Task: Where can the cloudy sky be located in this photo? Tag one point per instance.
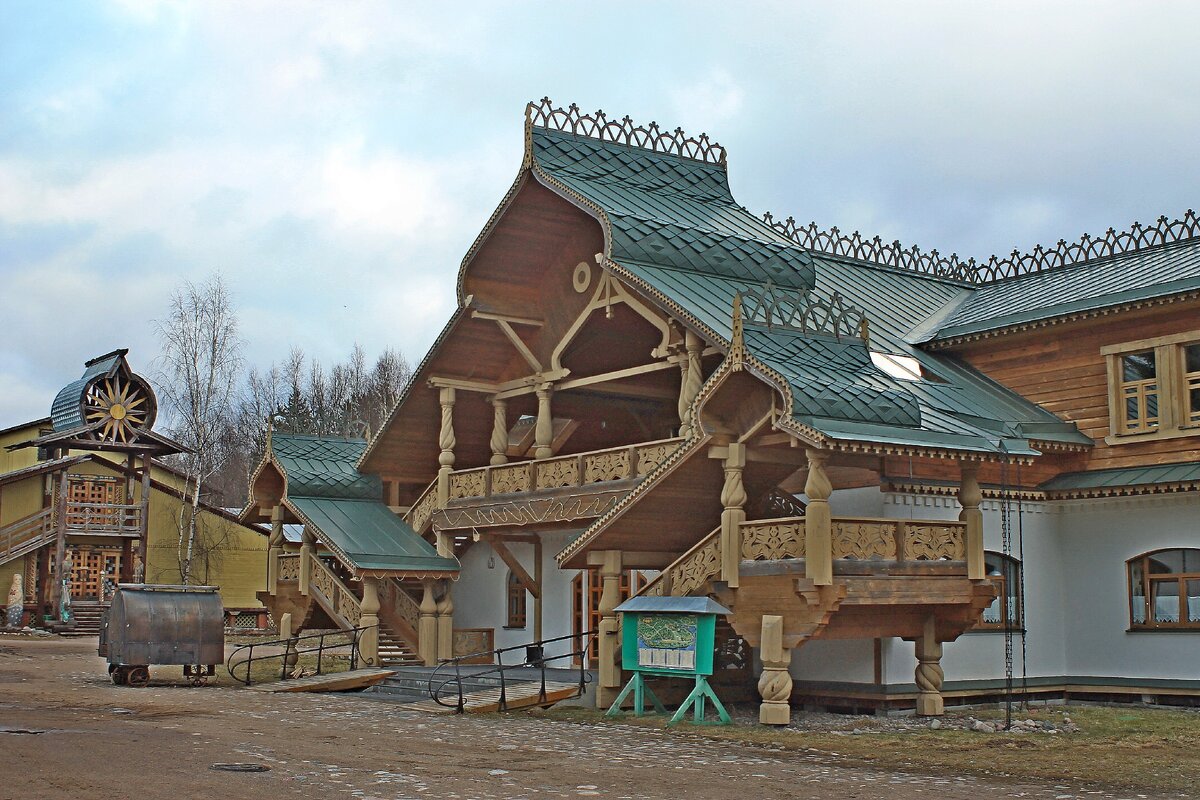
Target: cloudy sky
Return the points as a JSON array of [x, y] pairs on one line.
[[335, 160]]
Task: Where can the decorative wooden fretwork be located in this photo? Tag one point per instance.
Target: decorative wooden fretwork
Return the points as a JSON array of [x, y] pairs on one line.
[[510, 478], [289, 567], [894, 254], [557, 472], [606, 466], [864, 541], [623, 131], [935, 541], [697, 568], [118, 406], [468, 483], [402, 603], [649, 457], [803, 311], [773, 540], [422, 511], [342, 600]]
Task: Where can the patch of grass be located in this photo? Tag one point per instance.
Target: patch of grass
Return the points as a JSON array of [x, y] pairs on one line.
[[1116, 748], [270, 669]]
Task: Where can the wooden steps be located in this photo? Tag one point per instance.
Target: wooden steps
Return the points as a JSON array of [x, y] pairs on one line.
[[335, 682], [517, 696], [395, 650]]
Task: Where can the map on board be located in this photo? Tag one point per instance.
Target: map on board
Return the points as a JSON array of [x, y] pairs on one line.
[[667, 641]]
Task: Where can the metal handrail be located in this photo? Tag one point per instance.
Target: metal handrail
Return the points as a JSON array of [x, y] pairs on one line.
[[292, 647], [436, 693]]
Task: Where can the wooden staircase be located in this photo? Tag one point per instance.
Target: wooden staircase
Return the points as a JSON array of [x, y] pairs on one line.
[[87, 618], [394, 649]]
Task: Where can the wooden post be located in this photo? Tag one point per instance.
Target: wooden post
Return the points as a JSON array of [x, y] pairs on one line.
[[445, 543], [60, 545], [543, 432], [690, 381], [275, 549], [144, 523], [445, 623], [446, 441], [368, 643], [610, 648], [537, 598], [733, 498], [970, 496], [775, 682], [818, 525], [428, 632], [499, 432], [929, 675], [308, 549]]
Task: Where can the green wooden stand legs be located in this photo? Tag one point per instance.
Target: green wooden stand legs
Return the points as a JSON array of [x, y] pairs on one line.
[[695, 701]]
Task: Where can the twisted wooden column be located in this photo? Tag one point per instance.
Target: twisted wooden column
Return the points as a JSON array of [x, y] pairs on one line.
[[733, 499], [445, 623], [276, 549], [427, 633], [609, 647], [818, 525], [446, 441], [929, 675], [691, 379], [368, 643], [775, 682], [543, 431], [970, 496], [499, 432]]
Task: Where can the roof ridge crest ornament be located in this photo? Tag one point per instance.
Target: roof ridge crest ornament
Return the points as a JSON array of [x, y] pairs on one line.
[[544, 114], [803, 312], [996, 268]]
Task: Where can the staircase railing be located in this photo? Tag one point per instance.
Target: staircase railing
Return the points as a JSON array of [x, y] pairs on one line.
[[420, 514], [108, 518], [292, 649], [25, 535], [335, 596], [688, 572], [535, 657]]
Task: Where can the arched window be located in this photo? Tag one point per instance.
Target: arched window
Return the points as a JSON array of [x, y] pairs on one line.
[[1164, 589], [1008, 609], [516, 596]]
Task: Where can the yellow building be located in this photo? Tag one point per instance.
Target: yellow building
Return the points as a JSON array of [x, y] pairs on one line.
[[82, 494]]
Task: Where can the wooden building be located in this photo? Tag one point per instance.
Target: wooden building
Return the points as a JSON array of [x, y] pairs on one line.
[[646, 388], [84, 488]]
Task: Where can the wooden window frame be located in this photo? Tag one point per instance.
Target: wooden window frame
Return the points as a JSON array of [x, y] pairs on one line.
[[1003, 585], [1181, 578], [516, 603], [1172, 379]]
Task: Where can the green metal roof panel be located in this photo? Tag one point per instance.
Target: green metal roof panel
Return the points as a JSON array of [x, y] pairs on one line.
[[1128, 476], [370, 535], [66, 412], [324, 467], [1139, 275]]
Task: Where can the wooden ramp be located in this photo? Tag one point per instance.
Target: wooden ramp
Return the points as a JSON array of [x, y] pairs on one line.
[[517, 695], [335, 682]]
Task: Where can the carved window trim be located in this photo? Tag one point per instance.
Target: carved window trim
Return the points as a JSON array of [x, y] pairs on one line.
[[1172, 384], [1005, 574], [1140, 577], [516, 603]]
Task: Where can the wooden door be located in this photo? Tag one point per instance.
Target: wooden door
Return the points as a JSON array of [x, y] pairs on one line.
[[93, 489], [95, 571], [586, 616]]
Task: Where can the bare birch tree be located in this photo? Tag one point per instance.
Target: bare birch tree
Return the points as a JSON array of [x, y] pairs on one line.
[[200, 366]]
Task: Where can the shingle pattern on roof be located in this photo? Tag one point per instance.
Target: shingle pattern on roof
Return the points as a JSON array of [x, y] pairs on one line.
[[1139, 275], [324, 467]]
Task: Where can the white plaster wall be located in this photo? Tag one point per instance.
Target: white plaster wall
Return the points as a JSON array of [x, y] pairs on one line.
[[1099, 536], [480, 598], [840, 660]]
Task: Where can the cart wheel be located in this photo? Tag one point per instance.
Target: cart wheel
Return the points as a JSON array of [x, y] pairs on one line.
[[118, 674], [138, 676]]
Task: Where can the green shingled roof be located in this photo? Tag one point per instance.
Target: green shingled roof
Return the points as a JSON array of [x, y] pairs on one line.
[[344, 507], [1128, 476], [1099, 283], [676, 229]]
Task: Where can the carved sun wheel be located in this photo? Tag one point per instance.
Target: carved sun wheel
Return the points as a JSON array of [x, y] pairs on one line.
[[119, 405]]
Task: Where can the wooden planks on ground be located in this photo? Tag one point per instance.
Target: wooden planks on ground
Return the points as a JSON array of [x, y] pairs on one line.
[[336, 682], [518, 695]]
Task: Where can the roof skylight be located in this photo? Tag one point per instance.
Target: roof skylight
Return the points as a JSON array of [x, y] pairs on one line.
[[905, 368]]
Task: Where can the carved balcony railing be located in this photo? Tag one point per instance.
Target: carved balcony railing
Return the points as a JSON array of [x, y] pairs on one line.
[[420, 514], [337, 596], [109, 519], [397, 597], [578, 470], [852, 539], [289, 567]]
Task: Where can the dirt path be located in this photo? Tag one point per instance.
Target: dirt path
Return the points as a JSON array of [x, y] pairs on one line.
[[85, 737]]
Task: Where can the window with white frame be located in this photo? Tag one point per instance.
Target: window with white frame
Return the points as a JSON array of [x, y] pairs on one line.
[[1154, 387]]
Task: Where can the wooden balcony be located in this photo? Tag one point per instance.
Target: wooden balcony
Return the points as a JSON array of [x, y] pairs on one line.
[[562, 491], [103, 519]]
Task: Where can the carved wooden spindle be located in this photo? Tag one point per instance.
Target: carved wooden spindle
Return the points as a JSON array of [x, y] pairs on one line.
[[499, 432], [929, 674], [543, 432], [368, 643], [308, 551], [818, 525], [609, 647], [970, 496], [691, 380], [733, 500], [276, 549], [446, 441], [427, 634], [775, 682], [445, 623]]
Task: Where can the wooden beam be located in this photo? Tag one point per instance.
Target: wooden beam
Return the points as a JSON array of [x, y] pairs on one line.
[[520, 345], [537, 323], [508, 558], [615, 375]]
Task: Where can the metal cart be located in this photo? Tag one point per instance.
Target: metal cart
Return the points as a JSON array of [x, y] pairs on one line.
[[159, 624]]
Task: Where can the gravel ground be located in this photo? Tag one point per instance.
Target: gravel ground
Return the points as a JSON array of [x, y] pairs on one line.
[[66, 731]]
